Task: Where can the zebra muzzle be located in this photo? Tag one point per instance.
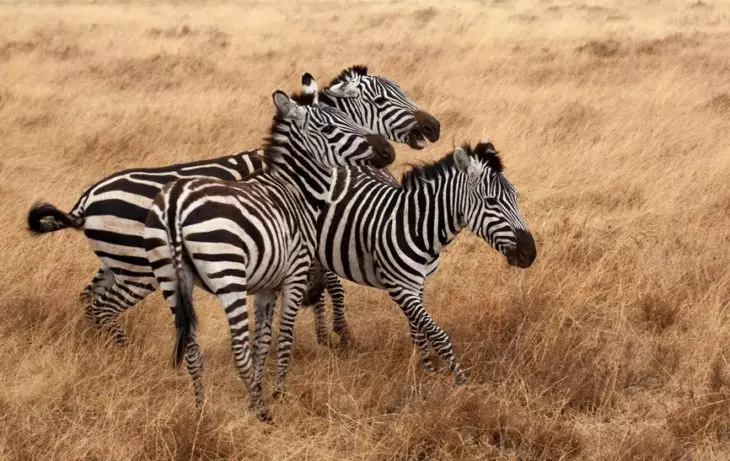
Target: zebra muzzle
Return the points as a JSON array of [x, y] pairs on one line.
[[525, 251]]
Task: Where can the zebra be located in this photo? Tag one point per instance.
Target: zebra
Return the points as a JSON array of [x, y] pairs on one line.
[[112, 212], [254, 236], [383, 235], [362, 96]]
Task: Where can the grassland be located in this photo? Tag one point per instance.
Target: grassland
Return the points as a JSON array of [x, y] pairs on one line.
[[614, 122]]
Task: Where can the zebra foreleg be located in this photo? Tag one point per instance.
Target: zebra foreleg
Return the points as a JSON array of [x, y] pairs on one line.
[[320, 321], [423, 326], [419, 339], [337, 293], [316, 284]]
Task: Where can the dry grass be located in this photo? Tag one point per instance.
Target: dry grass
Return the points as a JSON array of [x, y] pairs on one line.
[[613, 119]]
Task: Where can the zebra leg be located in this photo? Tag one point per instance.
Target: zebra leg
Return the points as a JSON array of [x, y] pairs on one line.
[[194, 363], [320, 321], [100, 283], [193, 353], [291, 299], [264, 311], [235, 304], [119, 297], [419, 339], [316, 284], [337, 293], [421, 324]]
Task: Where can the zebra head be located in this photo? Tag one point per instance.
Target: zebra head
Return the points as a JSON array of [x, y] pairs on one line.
[[327, 134], [490, 207], [382, 106]]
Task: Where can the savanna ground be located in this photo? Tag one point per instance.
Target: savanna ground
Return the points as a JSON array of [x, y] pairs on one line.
[[614, 122]]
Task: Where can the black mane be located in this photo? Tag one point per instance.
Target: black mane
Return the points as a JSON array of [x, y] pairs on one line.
[[484, 152], [303, 99], [359, 70]]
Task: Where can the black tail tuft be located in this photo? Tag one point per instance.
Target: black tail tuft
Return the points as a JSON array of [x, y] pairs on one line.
[[185, 318], [44, 217]]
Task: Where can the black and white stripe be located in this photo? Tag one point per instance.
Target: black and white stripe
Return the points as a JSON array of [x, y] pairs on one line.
[[382, 106], [112, 212], [254, 236], [387, 236]]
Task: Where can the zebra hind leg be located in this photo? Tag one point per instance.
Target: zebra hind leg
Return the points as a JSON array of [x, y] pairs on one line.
[[118, 298], [194, 363], [291, 299], [337, 293], [193, 353], [264, 312], [100, 283], [235, 303]]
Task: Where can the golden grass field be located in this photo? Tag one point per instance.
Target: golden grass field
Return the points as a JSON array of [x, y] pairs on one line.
[[613, 119]]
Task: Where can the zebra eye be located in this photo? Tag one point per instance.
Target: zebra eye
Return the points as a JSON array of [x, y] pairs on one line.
[[328, 129], [381, 100], [491, 201]]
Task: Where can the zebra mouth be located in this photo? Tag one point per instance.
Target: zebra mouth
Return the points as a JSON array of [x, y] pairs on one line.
[[416, 140], [518, 261], [524, 254]]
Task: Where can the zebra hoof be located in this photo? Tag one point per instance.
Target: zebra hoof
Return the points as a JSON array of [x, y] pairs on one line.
[[429, 365], [460, 379], [278, 394], [345, 339], [263, 415]]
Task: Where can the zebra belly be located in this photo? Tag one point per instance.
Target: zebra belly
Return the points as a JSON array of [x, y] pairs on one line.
[[345, 256], [118, 242], [358, 270]]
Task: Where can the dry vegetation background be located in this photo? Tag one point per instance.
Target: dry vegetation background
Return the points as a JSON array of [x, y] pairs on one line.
[[614, 121]]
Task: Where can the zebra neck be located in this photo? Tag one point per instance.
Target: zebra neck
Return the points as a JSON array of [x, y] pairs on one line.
[[311, 179], [434, 211]]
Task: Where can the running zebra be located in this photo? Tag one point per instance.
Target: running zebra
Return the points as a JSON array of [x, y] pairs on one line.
[[377, 104], [386, 236], [254, 236], [112, 212]]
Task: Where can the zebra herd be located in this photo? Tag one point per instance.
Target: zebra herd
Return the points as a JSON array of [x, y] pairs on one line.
[[288, 219]]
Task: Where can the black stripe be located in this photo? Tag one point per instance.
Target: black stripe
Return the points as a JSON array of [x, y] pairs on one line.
[[126, 240], [118, 208]]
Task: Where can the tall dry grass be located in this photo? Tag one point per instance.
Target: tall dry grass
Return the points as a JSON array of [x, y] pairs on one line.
[[613, 120]]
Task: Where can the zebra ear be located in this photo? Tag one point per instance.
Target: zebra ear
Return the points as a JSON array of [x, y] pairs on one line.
[[288, 108], [309, 86], [466, 164], [347, 89]]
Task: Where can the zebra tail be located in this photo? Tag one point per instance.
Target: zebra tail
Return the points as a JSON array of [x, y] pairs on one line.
[[185, 318], [39, 222]]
